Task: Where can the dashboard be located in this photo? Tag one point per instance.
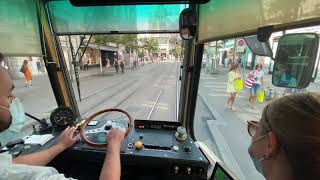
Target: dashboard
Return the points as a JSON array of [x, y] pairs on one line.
[[153, 150]]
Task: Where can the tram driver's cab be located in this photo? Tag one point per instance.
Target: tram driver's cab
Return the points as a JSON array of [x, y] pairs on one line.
[[151, 149]]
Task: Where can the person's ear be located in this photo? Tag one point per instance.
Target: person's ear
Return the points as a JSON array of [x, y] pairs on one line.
[[273, 146]]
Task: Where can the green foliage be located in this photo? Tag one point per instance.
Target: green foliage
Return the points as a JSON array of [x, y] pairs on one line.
[[151, 45], [129, 41], [177, 52]]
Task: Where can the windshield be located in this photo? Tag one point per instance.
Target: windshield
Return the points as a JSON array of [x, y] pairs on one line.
[[67, 19], [223, 127], [137, 73]]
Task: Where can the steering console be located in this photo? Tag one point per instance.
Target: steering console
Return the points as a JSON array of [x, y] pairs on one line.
[[106, 128]]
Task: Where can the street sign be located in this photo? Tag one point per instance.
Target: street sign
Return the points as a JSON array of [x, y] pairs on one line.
[[241, 45]]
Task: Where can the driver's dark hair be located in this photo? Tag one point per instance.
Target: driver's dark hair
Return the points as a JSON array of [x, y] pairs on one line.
[[1, 57]]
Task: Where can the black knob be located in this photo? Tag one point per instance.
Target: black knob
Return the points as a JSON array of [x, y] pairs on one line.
[[108, 127], [187, 149]]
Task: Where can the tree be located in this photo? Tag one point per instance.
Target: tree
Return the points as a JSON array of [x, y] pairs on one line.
[[151, 45], [130, 41], [177, 52]]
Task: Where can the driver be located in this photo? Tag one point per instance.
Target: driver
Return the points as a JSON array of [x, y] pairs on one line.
[[32, 166]]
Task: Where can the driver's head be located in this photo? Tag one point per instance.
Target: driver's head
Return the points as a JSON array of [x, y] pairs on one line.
[[6, 97]]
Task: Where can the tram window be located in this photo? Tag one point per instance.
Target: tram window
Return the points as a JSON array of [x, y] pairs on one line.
[[219, 173], [138, 73], [33, 88], [222, 126]]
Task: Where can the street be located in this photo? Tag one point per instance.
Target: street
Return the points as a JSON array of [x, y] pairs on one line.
[[150, 93], [136, 91]]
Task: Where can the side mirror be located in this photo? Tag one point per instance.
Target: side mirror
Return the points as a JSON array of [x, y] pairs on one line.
[[295, 60], [188, 24]]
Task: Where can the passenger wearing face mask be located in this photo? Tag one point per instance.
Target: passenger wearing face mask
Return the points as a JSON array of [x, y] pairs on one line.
[[286, 141], [32, 166]]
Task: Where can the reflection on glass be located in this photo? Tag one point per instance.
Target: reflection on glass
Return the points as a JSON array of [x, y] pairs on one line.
[[220, 174], [294, 61]]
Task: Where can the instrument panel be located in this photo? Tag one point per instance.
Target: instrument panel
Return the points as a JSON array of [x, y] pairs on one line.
[[153, 150], [155, 145]]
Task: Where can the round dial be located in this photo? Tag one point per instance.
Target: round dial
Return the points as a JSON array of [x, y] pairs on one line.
[[62, 117]]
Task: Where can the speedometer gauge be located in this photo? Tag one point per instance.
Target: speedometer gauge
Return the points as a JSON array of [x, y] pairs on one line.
[[62, 117]]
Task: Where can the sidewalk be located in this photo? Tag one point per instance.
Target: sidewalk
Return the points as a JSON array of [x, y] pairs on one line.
[[228, 129]]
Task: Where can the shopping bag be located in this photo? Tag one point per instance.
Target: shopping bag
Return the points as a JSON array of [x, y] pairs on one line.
[[261, 96], [249, 82], [239, 84]]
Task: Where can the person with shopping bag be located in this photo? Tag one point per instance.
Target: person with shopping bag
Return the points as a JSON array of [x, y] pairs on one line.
[[255, 84], [233, 76]]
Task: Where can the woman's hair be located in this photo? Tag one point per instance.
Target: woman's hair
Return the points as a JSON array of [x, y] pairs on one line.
[[295, 119], [258, 65], [25, 62], [233, 67]]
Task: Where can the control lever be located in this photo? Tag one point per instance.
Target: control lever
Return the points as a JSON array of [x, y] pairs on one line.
[[14, 143], [44, 126], [181, 133]]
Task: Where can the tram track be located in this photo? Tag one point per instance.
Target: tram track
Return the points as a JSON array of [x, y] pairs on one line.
[[132, 82], [152, 110], [137, 86]]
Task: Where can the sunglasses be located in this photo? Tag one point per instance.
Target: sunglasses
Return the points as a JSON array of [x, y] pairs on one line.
[[252, 127]]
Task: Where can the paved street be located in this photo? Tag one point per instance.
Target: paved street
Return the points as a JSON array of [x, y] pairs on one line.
[[135, 91], [224, 130]]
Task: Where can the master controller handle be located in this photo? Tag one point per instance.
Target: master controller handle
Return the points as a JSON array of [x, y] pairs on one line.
[[181, 133]]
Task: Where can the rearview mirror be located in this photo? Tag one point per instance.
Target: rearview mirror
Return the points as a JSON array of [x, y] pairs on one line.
[[188, 24], [295, 60]]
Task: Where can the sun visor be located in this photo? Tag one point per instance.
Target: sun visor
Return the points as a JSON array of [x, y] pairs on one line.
[[219, 19], [19, 33], [68, 19]]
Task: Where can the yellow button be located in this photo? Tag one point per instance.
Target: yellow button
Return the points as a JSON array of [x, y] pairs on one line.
[[138, 145]]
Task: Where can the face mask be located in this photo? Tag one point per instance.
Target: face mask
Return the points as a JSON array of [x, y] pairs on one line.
[[18, 122], [185, 36], [256, 162]]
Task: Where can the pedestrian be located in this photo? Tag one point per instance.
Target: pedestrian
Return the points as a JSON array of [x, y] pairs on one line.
[[85, 63], [25, 69], [135, 64], [116, 64], [257, 75], [233, 75], [107, 62], [38, 66], [2, 63], [226, 62], [121, 63]]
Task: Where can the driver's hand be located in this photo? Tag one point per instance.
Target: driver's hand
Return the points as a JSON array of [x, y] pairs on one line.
[[67, 138], [115, 137]]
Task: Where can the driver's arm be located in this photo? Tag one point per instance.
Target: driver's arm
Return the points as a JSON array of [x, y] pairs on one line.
[[42, 158], [111, 169]]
